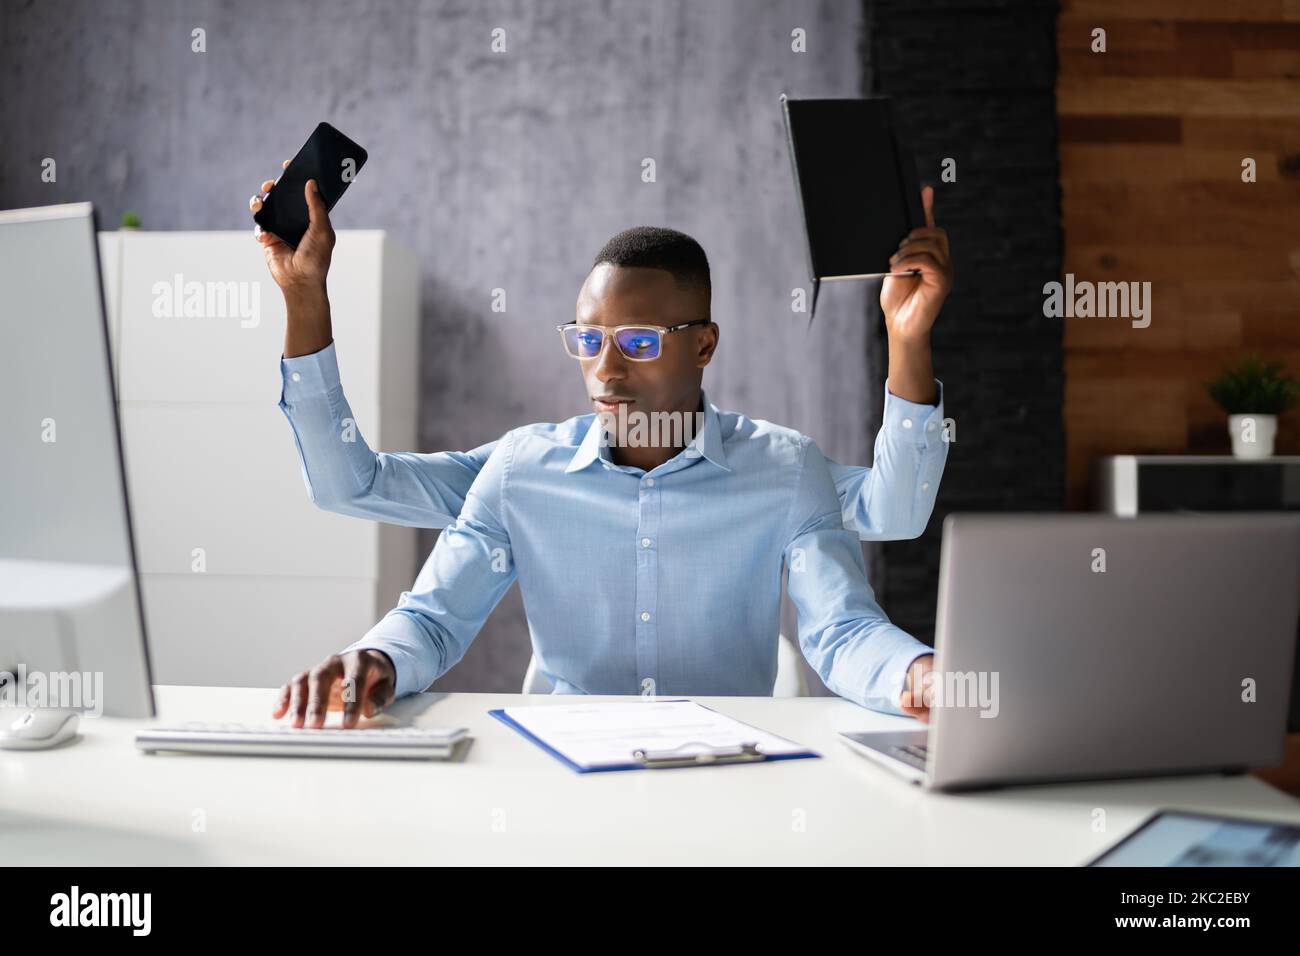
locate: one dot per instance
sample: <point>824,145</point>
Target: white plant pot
<point>1252,435</point>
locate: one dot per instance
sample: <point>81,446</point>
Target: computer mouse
<point>38,729</point>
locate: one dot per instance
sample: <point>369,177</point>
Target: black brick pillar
<point>975,81</point>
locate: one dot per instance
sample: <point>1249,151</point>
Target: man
<point>646,567</point>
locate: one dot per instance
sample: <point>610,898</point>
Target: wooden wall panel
<point>1152,136</point>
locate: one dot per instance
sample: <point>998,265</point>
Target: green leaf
<point>1254,387</point>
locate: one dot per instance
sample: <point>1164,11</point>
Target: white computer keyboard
<point>281,740</point>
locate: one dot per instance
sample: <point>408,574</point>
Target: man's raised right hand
<point>307,265</point>
<point>300,273</point>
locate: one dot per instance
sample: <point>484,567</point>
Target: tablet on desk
<point>1178,838</point>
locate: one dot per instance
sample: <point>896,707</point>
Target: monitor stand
<point>46,609</point>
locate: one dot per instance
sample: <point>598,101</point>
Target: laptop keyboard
<point>913,755</point>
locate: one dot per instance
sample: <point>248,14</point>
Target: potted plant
<point>130,220</point>
<point>1253,394</point>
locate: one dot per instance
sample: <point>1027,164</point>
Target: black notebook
<point>857,185</point>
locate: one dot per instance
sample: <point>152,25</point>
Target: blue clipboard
<point>648,763</point>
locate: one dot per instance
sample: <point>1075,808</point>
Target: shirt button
<point>645,615</point>
<point>296,376</point>
<point>649,482</point>
<point>645,542</point>
<point>925,486</point>
<point>907,423</point>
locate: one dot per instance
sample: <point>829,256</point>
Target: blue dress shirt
<point>664,582</point>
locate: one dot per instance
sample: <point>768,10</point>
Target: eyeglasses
<point>638,343</point>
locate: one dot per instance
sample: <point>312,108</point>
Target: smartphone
<point>328,157</point>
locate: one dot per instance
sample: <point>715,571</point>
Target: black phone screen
<point>328,157</point>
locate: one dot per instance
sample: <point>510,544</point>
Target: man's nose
<point>610,364</point>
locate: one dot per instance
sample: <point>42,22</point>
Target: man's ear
<point>707,342</point>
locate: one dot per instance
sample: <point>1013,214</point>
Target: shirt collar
<point>708,443</point>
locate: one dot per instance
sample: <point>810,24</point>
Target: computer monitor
<point>72,633</point>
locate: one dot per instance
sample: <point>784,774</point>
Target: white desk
<point>101,801</point>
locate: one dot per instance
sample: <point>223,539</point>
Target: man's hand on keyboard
<point>358,683</point>
<point>918,694</point>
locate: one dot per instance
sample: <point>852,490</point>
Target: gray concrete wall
<point>500,170</point>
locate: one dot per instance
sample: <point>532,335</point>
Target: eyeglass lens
<point>585,341</point>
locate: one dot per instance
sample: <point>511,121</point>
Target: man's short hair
<point>657,247</point>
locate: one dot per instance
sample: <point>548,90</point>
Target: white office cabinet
<point>210,462</point>
<point>110,270</point>
<point>245,581</point>
<point>254,630</point>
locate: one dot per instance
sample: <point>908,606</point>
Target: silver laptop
<point>1075,647</point>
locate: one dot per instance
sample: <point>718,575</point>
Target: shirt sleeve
<point>894,498</point>
<point>341,472</point>
<point>843,632</point>
<point>469,570</point>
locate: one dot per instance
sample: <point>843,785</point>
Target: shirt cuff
<point>921,424</point>
<point>406,667</point>
<point>305,376</point>
<point>900,666</point>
